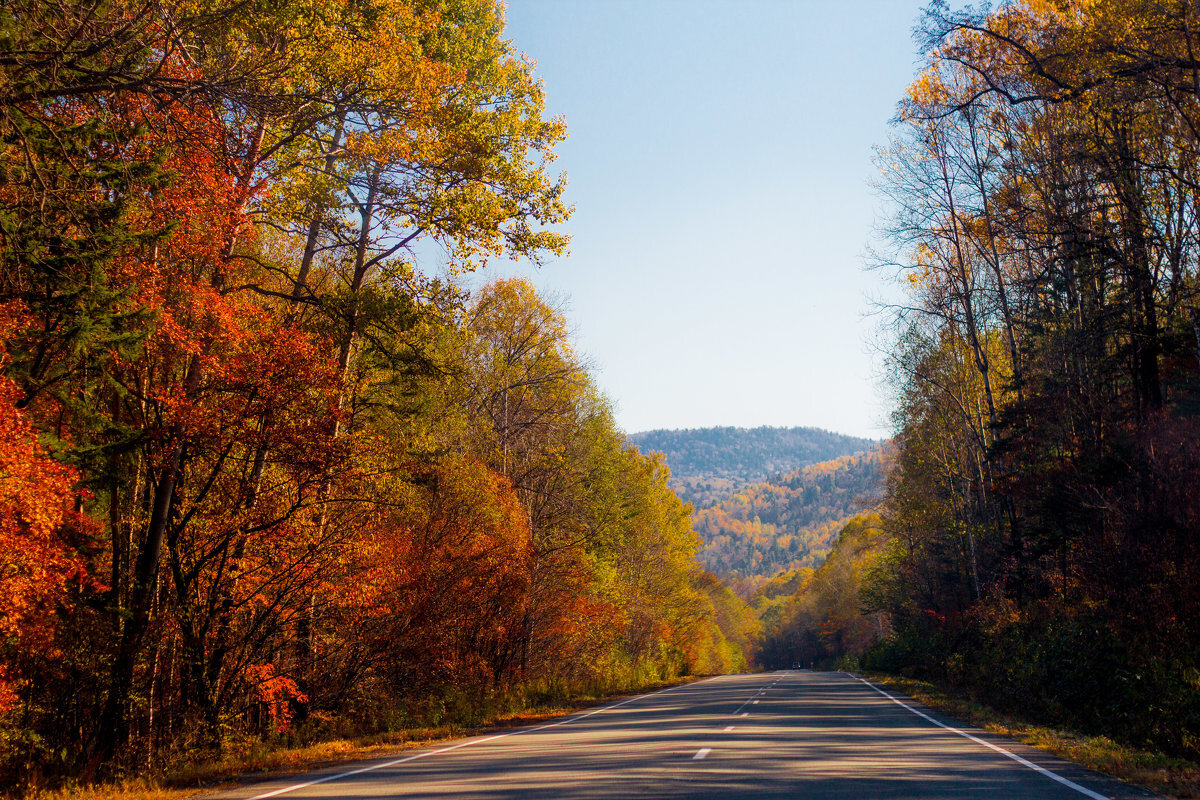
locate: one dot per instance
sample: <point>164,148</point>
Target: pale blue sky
<point>719,161</point>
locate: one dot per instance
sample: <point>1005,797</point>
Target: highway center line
<point>1023,762</point>
<point>749,701</point>
<point>460,745</point>
<point>701,753</point>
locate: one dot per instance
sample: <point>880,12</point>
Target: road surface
<point>793,734</point>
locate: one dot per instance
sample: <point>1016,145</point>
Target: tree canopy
<point>258,469</point>
<point>1041,517</point>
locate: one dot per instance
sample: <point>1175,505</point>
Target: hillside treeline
<point>257,471</point>
<point>790,521</point>
<point>1043,515</point>
<point>709,464</point>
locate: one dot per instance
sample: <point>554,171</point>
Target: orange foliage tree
<point>256,469</point>
<point>41,534</point>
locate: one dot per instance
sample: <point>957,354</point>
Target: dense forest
<point>258,471</point>
<point>824,616</point>
<point>1041,524</point>
<point>788,522</point>
<point>1037,544</point>
<point>710,464</point>
<point>263,474</point>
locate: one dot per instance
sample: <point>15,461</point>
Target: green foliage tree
<point>826,617</point>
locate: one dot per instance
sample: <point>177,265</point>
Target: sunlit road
<point>811,735</point>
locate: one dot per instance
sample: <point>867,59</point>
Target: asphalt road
<point>793,734</point>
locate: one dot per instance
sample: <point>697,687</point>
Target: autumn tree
<point>261,470</point>
<point>44,537</point>
<point>1043,181</point>
<point>828,617</point>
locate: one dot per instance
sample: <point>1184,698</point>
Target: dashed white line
<point>701,753</point>
<point>744,714</point>
<point>750,701</point>
<point>728,728</point>
<point>1023,762</point>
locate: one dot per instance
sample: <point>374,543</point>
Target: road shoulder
<point>1122,772</point>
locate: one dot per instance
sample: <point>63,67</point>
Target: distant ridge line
<point>742,428</point>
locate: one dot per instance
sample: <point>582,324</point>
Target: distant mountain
<point>711,464</point>
<point>790,521</point>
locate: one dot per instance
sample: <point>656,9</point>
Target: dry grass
<point>259,759</point>
<point>136,789</point>
<point>1171,777</point>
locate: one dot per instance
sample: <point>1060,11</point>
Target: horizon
<point>722,204</point>
<point>757,428</point>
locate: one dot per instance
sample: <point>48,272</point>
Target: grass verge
<point>1171,777</point>
<point>264,759</point>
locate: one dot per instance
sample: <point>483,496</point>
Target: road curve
<point>815,735</point>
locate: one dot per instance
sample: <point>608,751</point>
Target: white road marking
<point>468,743</point>
<point>728,728</point>
<point>749,701</point>
<point>701,753</point>
<point>754,703</point>
<point>744,714</point>
<point>1023,762</point>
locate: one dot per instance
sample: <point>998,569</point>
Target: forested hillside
<point>789,522</point>
<point>1042,523</point>
<point>258,471</point>
<point>709,464</point>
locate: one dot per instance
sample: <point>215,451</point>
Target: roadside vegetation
<point>262,473</point>
<point>306,748</point>
<point>829,618</point>
<point>1037,547</point>
<point>1042,514</point>
<point>1166,775</point>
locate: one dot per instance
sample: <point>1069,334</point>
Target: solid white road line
<point>1023,762</point>
<point>468,743</point>
<point>701,753</point>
